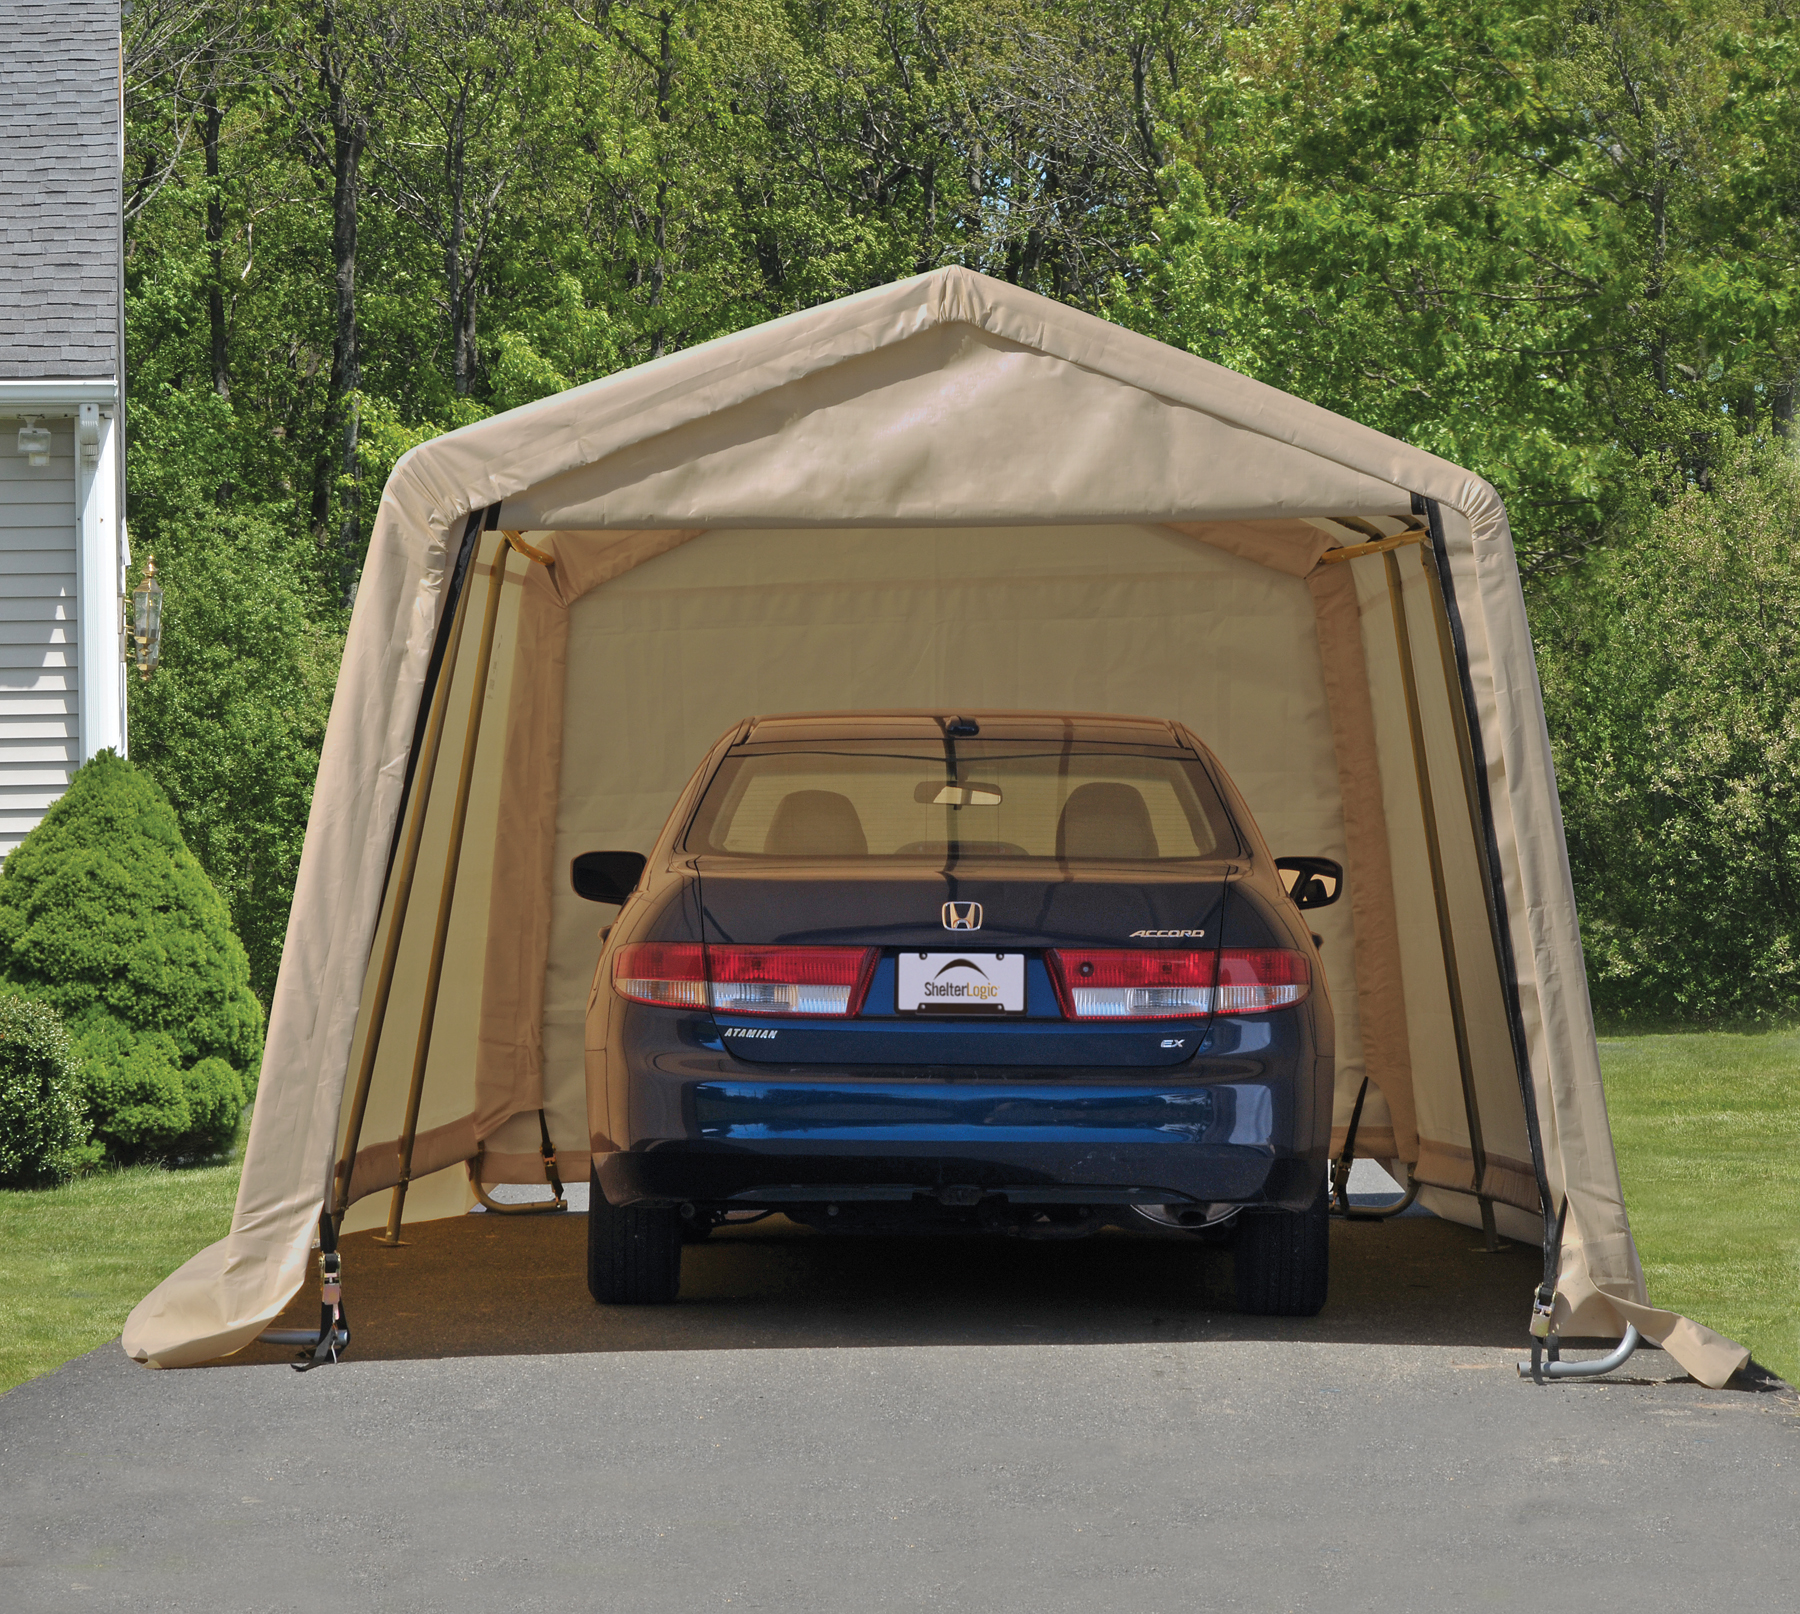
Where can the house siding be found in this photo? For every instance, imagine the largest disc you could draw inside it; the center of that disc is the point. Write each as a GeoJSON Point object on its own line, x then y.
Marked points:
{"type": "Point", "coordinates": [61, 327]}
{"type": "Point", "coordinates": [40, 718]}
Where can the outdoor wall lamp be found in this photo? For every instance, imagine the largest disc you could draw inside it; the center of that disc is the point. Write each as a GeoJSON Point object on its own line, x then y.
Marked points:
{"type": "Point", "coordinates": [34, 443]}
{"type": "Point", "coordinates": [146, 620]}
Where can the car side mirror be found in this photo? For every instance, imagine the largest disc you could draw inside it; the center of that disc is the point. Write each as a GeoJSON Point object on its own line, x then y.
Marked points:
{"type": "Point", "coordinates": [606, 876]}
{"type": "Point", "coordinates": [1317, 881]}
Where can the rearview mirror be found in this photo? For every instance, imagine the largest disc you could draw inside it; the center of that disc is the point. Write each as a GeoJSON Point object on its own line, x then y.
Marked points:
{"type": "Point", "coordinates": [1316, 881]}
{"type": "Point", "coordinates": [606, 876]}
{"type": "Point", "coordinates": [965, 793]}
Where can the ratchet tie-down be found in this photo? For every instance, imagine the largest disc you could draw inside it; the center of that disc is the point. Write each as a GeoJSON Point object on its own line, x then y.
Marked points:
{"type": "Point", "coordinates": [334, 1327]}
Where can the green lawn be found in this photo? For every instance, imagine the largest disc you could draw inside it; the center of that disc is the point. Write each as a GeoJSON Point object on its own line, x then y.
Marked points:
{"type": "Point", "coordinates": [1707, 1129]}
{"type": "Point", "coordinates": [75, 1260]}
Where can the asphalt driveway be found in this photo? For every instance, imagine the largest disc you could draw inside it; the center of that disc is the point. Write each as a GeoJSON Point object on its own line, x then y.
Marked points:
{"type": "Point", "coordinates": [834, 1425]}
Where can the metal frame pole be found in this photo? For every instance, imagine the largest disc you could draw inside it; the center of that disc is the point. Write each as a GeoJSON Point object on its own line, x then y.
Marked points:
{"type": "Point", "coordinates": [390, 953]}
{"type": "Point", "coordinates": [1440, 895]}
{"type": "Point", "coordinates": [459, 816]}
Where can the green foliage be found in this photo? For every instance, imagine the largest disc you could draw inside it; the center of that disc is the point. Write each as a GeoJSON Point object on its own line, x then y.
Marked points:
{"type": "Point", "coordinates": [142, 1103]}
{"type": "Point", "coordinates": [109, 918]}
{"type": "Point", "coordinates": [1672, 682]}
{"type": "Point", "coordinates": [1545, 244]}
{"type": "Point", "coordinates": [43, 1128]}
{"type": "Point", "coordinates": [230, 727]}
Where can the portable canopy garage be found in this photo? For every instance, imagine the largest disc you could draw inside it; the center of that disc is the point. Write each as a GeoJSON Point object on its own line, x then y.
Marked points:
{"type": "Point", "coordinates": [942, 494]}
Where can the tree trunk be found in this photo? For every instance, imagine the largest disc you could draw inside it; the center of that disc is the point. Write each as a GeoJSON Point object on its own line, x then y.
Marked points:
{"type": "Point", "coordinates": [665, 84]}
{"type": "Point", "coordinates": [211, 120]}
{"type": "Point", "coordinates": [336, 464]}
{"type": "Point", "coordinates": [348, 136]}
{"type": "Point", "coordinates": [458, 283]}
{"type": "Point", "coordinates": [1781, 407]}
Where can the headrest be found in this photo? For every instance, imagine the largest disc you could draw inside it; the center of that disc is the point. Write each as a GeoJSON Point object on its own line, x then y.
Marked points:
{"type": "Point", "coordinates": [816, 823]}
{"type": "Point", "coordinates": [1105, 820]}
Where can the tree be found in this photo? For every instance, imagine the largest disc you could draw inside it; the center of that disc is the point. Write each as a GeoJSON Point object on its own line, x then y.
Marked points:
{"type": "Point", "coordinates": [1496, 233]}
{"type": "Point", "coordinates": [231, 725]}
{"type": "Point", "coordinates": [455, 139]}
{"type": "Point", "coordinates": [332, 83]}
{"type": "Point", "coordinates": [1672, 684]}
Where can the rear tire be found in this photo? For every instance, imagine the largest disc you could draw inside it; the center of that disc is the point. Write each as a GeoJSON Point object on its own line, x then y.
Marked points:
{"type": "Point", "coordinates": [634, 1251]}
{"type": "Point", "coordinates": [1282, 1261]}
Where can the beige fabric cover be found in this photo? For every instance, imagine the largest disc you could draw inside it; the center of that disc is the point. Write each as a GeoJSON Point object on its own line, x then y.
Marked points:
{"type": "Point", "coordinates": [946, 491]}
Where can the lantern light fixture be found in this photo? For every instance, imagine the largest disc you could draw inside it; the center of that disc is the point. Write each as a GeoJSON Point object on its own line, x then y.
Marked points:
{"type": "Point", "coordinates": [146, 621]}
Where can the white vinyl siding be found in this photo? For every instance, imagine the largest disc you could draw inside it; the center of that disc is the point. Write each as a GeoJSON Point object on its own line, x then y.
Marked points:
{"type": "Point", "coordinates": [40, 717]}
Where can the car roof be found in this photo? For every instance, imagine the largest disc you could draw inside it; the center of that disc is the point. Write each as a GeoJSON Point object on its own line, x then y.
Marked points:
{"type": "Point", "coordinates": [1084, 728]}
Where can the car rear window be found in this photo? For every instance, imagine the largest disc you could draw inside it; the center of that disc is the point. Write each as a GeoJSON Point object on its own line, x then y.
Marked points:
{"type": "Point", "coordinates": [991, 798]}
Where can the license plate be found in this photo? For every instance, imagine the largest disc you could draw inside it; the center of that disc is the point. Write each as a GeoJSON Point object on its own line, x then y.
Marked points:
{"type": "Point", "coordinates": [961, 983]}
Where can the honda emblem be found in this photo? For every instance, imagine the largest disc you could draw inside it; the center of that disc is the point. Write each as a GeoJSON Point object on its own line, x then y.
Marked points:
{"type": "Point", "coordinates": [962, 916]}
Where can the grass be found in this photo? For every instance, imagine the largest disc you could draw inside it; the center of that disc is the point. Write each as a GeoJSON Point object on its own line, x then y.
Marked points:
{"type": "Point", "coordinates": [1707, 1130]}
{"type": "Point", "coordinates": [74, 1260]}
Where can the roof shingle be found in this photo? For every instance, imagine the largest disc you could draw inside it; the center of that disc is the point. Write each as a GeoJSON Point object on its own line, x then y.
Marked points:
{"type": "Point", "coordinates": [59, 188]}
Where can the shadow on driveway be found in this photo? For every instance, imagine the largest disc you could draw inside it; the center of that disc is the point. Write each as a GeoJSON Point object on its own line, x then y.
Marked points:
{"type": "Point", "coordinates": [487, 1285]}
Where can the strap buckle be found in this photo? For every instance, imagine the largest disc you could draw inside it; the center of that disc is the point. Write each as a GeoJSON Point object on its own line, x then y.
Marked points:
{"type": "Point", "coordinates": [1543, 1306]}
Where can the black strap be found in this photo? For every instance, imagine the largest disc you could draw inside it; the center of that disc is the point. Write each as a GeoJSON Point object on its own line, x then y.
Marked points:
{"type": "Point", "coordinates": [548, 1150]}
{"type": "Point", "coordinates": [334, 1327]}
{"type": "Point", "coordinates": [1341, 1185]}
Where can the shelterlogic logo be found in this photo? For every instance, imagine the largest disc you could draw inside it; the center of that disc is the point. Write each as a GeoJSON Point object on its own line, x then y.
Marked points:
{"type": "Point", "coordinates": [982, 991]}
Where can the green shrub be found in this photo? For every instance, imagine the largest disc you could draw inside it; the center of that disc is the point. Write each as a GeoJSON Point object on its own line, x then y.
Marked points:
{"type": "Point", "coordinates": [215, 1100]}
{"type": "Point", "coordinates": [142, 1103]}
{"type": "Point", "coordinates": [135, 1094]}
{"type": "Point", "coordinates": [43, 1127]}
{"type": "Point", "coordinates": [108, 917]}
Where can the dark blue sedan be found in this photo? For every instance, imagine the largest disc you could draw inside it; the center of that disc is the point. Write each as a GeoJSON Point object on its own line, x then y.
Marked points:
{"type": "Point", "coordinates": [914, 972]}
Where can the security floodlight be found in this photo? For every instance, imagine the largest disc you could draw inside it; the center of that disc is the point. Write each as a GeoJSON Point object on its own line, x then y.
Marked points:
{"type": "Point", "coordinates": [34, 443]}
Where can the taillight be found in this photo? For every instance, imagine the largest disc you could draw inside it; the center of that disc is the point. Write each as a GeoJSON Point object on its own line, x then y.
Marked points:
{"type": "Point", "coordinates": [745, 980]}
{"type": "Point", "coordinates": [1252, 980]}
{"type": "Point", "coordinates": [1139, 984]}
{"type": "Point", "coordinates": [671, 973]}
{"type": "Point", "coordinates": [1151, 984]}
{"type": "Point", "coordinates": [789, 980]}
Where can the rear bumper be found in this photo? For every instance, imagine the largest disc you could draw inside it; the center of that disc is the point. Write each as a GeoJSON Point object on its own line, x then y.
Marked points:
{"type": "Point", "coordinates": [1245, 1120]}
{"type": "Point", "coordinates": [773, 1139]}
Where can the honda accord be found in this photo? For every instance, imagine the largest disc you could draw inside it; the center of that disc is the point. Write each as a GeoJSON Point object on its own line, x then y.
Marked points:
{"type": "Point", "coordinates": [1023, 973]}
